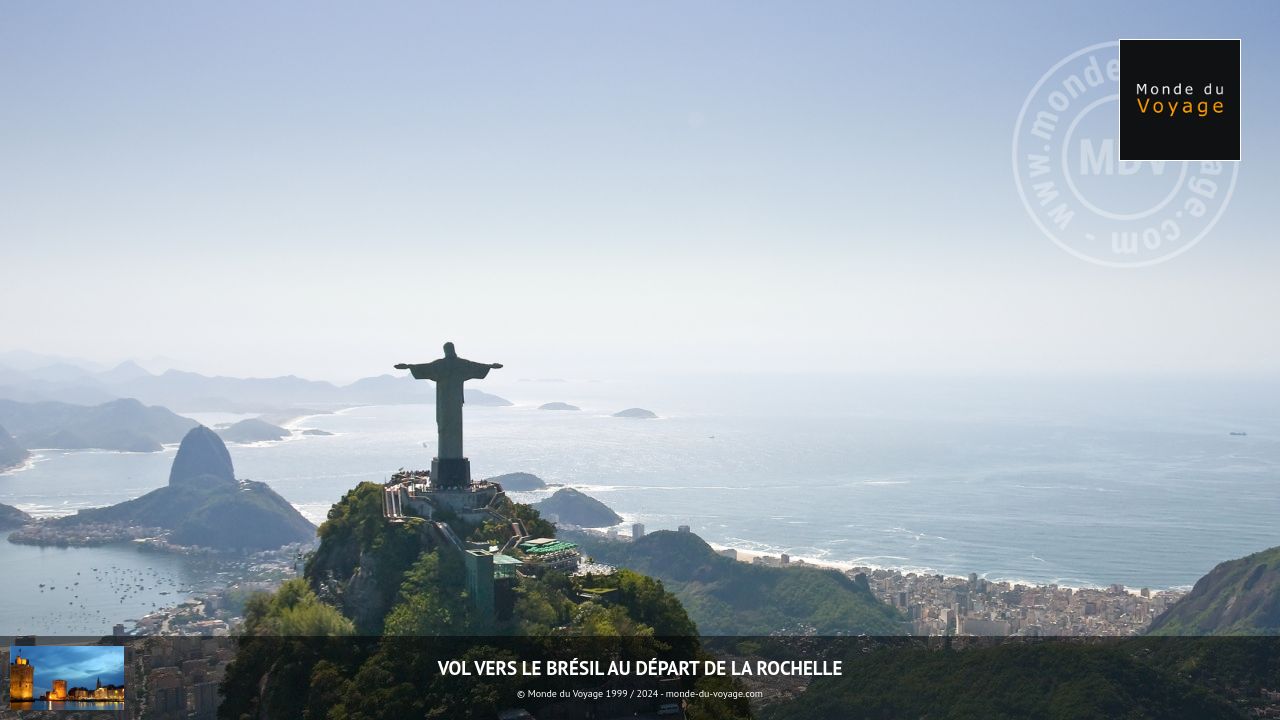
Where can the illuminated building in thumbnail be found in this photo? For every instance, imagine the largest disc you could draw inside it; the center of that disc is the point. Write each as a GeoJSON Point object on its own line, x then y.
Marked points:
{"type": "Point", "coordinates": [22, 676]}
{"type": "Point", "coordinates": [100, 693]}
{"type": "Point", "coordinates": [110, 693]}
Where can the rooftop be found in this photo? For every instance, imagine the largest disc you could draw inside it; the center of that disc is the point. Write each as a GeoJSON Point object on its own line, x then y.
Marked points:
{"type": "Point", "coordinates": [547, 548]}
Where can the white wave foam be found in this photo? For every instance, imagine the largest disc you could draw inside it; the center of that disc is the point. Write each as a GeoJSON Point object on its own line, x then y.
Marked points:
{"type": "Point", "coordinates": [27, 464]}
{"type": "Point", "coordinates": [315, 512]}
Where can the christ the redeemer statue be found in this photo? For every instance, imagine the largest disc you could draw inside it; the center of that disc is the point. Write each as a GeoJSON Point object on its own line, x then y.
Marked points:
{"type": "Point", "coordinates": [450, 468]}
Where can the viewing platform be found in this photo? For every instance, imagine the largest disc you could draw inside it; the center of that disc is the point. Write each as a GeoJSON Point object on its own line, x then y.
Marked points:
{"type": "Point", "coordinates": [410, 493]}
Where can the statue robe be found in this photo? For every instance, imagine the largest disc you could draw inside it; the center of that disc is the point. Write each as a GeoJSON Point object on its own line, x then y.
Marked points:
{"type": "Point", "coordinates": [449, 373]}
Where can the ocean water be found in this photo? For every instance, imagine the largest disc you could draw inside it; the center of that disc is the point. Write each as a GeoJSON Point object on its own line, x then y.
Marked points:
{"type": "Point", "coordinates": [1083, 482]}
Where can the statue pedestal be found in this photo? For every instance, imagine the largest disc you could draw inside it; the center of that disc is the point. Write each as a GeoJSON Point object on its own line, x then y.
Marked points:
{"type": "Point", "coordinates": [450, 472]}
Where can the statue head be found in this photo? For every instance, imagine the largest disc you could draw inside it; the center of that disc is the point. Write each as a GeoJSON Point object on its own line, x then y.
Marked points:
{"type": "Point", "coordinates": [449, 351]}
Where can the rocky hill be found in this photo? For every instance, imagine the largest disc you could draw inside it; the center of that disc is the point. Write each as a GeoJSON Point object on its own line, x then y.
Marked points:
{"type": "Point", "coordinates": [637, 413]}
{"type": "Point", "coordinates": [558, 406]}
{"type": "Point", "coordinates": [11, 517]}
{"type": "Point", "coordinates": [202, 460]}
{"type": "Point", "coordinates": [1238, 597]}
{"type": "Point", "coordinates": [728, 597]}
{"type": "Point", "coordinates": [519, 481]}
{"type": "Point", "coordinates": [203, 505]}
{"type": "Point", "coordinates": [253, 430]}
{"type": "Point", "coordinates": [576, 508]}
{"type": "Point", "coordinates": [409, 599]}
{"type": "Point", "coordinates": [362, 558]}
{"type": "Point", "coordinates": [11, 453]}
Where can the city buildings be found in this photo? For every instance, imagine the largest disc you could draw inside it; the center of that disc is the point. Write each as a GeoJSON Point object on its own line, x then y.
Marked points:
{"type": "Point", "coordinates": [942, 605]}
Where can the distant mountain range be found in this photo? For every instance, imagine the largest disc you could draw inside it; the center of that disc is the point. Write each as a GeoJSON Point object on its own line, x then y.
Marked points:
{"type": "Point", "coordinates": [191, 392]}
{"type": "Point", "coordinates": [203, 505]}
{"type": "Point", "coordinates": [64, 405]}
{"type": "Point", "coordinates": [1238, 597]}
{"type": "Point", "coordinates": [115, 425]}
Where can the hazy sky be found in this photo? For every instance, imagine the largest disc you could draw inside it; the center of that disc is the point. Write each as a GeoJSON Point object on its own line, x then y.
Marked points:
{"type": "Point", "coordinates": [580, 188]}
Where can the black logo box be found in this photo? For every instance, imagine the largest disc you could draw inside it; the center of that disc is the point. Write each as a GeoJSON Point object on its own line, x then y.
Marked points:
{"type": "Point", "coordinates": [1210, 132]}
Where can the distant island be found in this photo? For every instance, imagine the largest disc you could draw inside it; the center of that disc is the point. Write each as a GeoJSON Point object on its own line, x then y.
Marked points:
{"type": "Point", "coordinates": [253, 430]}
{"type": "Point", "coordinates": [11, 517]}
{"type": "Point", "coordinates": [11, 453]}
{"type": "Point", "coordinates": [203, 506]}
{"type": "Point", "coordinates": [558, 406]}
{"type": "Point", "coordinates": [639, 413]}
{"type": "Point", "coordinates": [317, 432]}
{"type": "Point", "coordinates": [124, 424]}
{"type": "Point", "coordinates": [577, 508]}
{"type": "Point", "coordinates": [519, 481]}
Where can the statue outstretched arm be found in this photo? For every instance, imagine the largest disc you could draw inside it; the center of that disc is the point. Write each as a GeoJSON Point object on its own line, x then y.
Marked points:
{"type": "Point", "coordinates": [424, 371]}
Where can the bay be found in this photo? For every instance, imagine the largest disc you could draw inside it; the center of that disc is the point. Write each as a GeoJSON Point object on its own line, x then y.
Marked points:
{"type": "Point", "coordinates": [1085, 483]}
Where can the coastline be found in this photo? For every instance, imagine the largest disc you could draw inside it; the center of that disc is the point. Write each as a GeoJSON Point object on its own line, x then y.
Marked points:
{"type": "Point", "coordinates": [936, 604]}
{"type": "Point", "coordinates": [746, 549]}
{"type": "Point", "coordinates": [749, 556]}
{"type": "Point", "coordinates": [29, 462]}
{"type": "Point", "coordinates": [293, 422]}
{"type": "Point", "coordinates": [772, 554]}
{"type": "Point", "coordinates": [312, 512]}
{"type": "Point", "coordinates": [774, 557]}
